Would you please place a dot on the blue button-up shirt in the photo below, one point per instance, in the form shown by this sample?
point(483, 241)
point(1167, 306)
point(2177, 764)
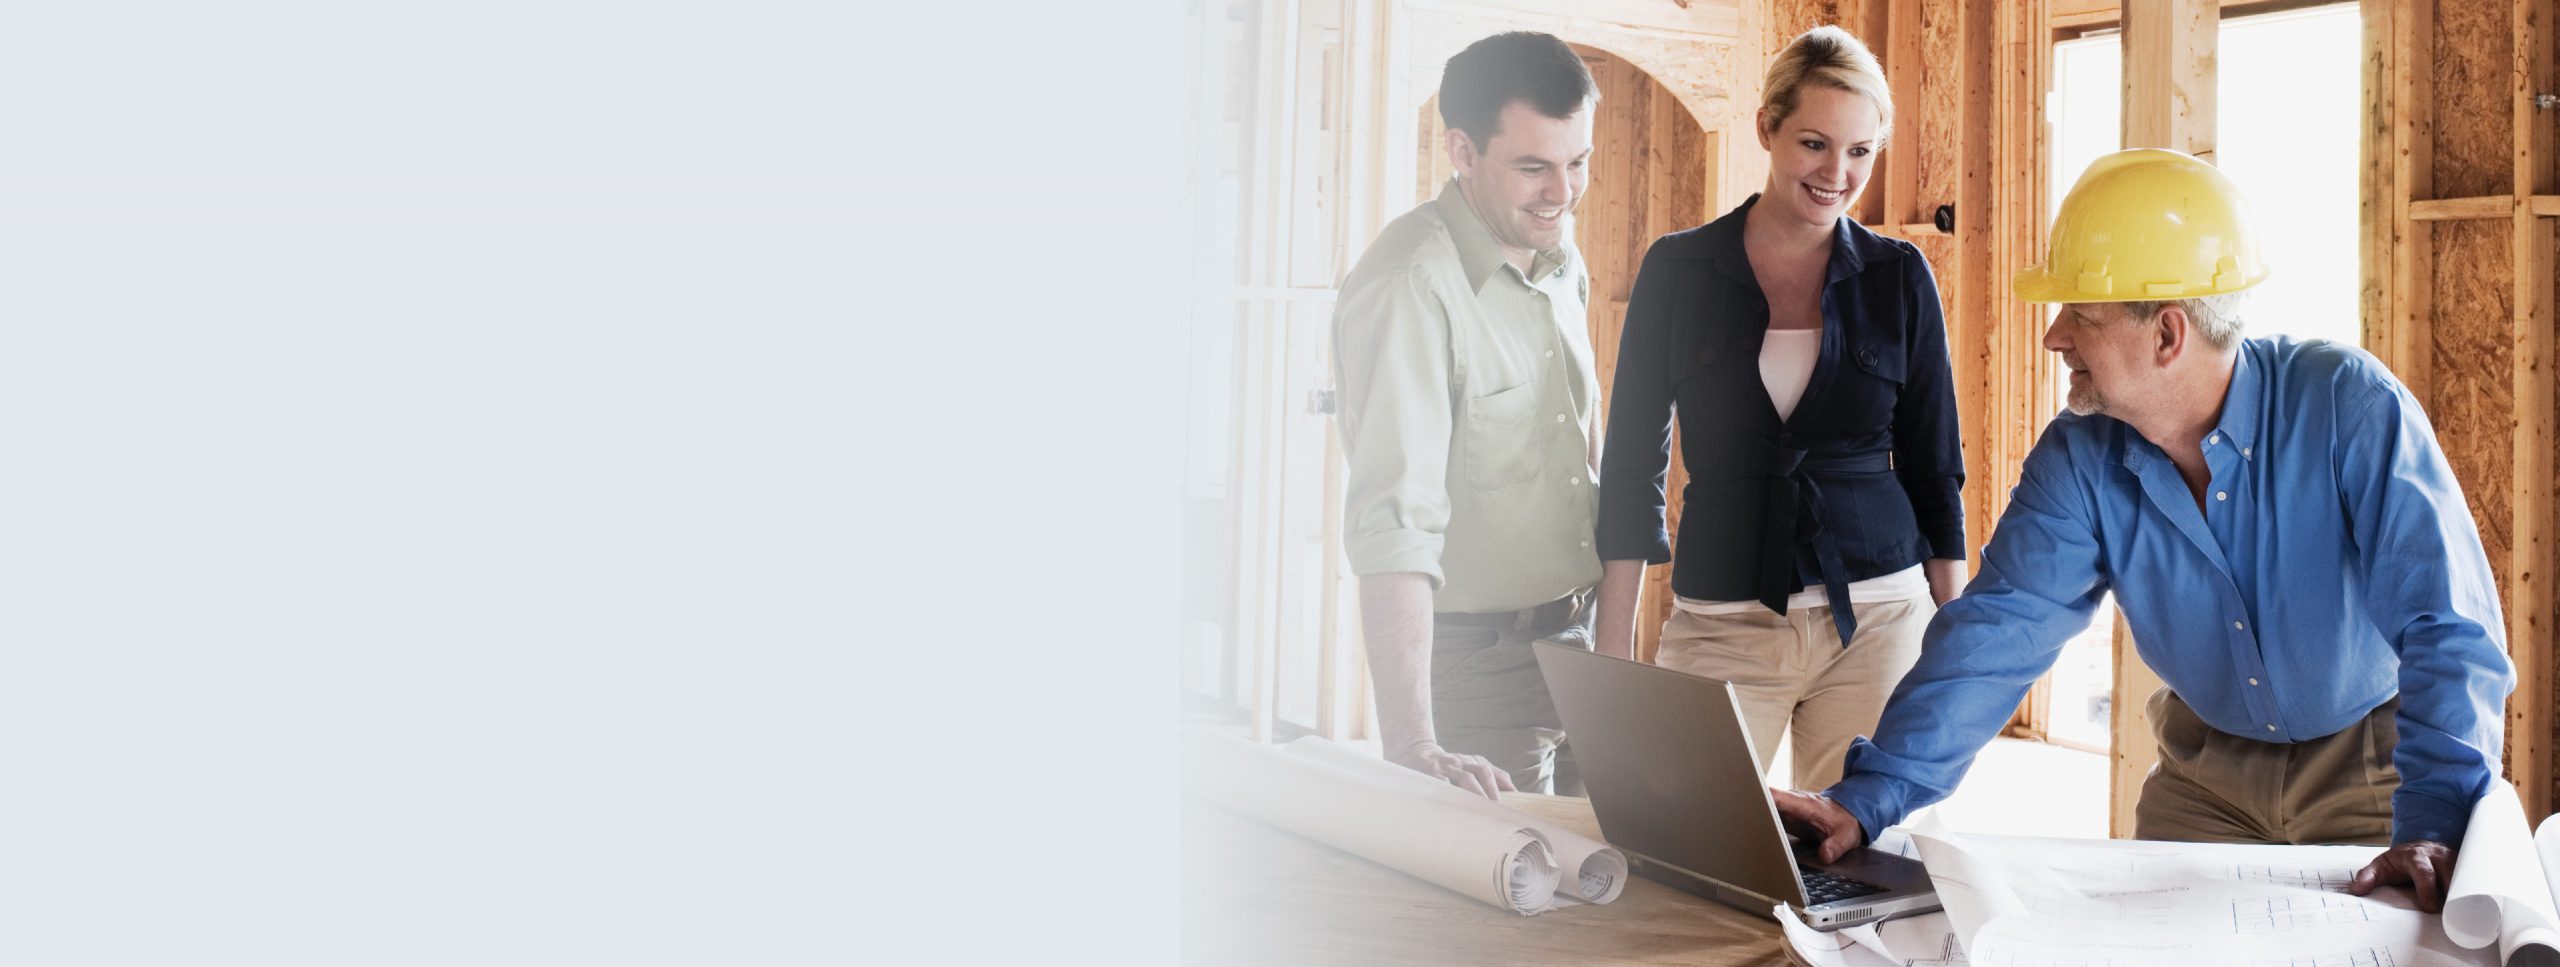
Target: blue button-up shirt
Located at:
point(2333, 563)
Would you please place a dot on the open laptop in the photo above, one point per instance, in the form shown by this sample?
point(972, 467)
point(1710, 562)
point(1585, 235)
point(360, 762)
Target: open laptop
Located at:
point(1667, 761)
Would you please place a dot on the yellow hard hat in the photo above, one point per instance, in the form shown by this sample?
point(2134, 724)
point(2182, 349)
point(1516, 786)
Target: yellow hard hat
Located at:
point(2143, 225)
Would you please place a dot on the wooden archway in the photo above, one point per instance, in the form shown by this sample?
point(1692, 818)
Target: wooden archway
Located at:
point(1695, 68)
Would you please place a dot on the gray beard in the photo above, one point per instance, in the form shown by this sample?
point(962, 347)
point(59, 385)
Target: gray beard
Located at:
point(2085, 401)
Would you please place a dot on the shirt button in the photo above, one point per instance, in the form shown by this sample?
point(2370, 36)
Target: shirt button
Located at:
point(2253, 681)
point(2216, 438)
point(2244, 451)
point(1551, 354)
point(2237, 626)
point(2271, 728)
point(1559, 417)
point(1586, 543)
point(2222, 495)
point(1577, 481)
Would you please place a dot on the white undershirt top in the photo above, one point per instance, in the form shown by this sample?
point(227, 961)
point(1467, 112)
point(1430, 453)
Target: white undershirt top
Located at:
point(1910, 582)
point(1786, 365)
point(1786, 368)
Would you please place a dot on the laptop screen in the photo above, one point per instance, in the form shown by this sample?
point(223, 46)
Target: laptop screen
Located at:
point(1666, 761)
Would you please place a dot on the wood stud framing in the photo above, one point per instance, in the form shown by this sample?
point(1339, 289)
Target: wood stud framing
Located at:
point(2459, 240)
point(2533, 607)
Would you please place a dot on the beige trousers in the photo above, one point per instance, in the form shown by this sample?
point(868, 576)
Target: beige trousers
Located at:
point(2215, 787)
point(1790, 674)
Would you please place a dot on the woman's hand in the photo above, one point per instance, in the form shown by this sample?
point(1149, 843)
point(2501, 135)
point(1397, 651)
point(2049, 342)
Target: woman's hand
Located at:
point(1613, 630)
point(1946, 579)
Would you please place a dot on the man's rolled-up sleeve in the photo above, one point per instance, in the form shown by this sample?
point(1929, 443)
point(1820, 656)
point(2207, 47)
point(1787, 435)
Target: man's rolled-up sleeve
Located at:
point(1392, 370)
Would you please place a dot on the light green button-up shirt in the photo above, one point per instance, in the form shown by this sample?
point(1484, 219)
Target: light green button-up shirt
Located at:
point(1468, 413)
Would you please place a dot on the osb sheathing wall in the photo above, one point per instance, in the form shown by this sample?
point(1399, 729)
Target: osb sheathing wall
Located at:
point(2459, 269)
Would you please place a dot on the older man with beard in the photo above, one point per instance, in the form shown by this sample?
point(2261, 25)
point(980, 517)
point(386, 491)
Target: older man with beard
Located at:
point(2279, 528)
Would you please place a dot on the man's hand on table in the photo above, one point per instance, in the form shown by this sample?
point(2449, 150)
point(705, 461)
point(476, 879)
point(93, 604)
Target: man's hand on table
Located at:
point(1469, 772)
point(2424, 866)
point(1816, 820)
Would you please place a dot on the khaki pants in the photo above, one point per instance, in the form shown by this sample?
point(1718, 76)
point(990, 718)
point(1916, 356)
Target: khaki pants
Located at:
point(1488, 698)
point(1790, 672)
point(2214, 787)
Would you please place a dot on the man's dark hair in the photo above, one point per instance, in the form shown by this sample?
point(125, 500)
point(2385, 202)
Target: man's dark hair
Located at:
point(1517, 66)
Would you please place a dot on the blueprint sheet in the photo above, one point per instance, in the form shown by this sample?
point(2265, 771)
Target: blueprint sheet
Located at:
point(2016, 902)
point(2033, 902)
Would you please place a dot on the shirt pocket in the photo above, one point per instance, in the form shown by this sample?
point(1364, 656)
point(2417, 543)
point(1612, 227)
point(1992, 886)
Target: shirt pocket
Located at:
point(1498, 438)
point(1872, 384)
point(1884, 362)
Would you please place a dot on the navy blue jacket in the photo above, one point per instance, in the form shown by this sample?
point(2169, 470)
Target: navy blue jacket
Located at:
point(1865, 479)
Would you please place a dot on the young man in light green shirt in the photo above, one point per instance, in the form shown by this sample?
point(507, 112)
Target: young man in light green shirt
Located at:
point(1470, 418)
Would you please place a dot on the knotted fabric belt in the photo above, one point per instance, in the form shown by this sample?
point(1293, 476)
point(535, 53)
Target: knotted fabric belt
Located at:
point(1793, 520)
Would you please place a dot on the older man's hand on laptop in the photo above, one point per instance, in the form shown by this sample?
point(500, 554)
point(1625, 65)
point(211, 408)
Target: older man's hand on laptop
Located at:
point(1813, 818)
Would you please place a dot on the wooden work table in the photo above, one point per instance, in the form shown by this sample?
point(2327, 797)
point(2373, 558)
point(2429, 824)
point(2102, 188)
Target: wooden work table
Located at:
point(1256, 894)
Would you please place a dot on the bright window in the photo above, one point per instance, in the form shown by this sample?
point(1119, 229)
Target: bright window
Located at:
point(2289, 111)
point(2087, 108)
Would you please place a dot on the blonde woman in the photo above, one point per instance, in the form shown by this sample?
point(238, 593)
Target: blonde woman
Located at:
point(1806, 360)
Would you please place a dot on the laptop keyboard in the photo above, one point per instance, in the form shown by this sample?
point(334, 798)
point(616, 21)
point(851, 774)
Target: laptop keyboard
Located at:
point(1821, 887)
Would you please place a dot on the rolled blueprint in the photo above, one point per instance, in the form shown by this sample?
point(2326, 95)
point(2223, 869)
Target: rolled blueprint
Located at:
point(1498, 861)
point(1593, 871)
point(2501, 889)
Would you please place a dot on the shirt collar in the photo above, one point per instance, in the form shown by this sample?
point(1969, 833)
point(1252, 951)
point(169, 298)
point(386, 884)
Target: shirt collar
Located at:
point(2239, 420)
point(1478, 254)
point(2240, 404)
point(1853, 246)
point(2137, 450)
